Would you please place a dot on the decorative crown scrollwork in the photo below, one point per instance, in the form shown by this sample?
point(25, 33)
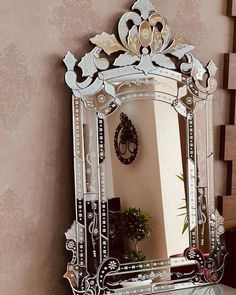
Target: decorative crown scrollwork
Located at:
point(144, 44)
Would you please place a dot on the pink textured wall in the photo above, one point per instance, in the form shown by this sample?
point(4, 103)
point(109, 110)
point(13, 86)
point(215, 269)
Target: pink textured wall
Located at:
point(36, 191)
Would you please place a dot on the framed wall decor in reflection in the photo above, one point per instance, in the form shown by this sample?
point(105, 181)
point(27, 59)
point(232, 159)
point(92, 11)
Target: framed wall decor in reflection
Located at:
point(126, 140)
point(155, 80)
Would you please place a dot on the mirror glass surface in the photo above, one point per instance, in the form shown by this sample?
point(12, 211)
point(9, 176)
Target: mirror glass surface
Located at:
point(154, 182)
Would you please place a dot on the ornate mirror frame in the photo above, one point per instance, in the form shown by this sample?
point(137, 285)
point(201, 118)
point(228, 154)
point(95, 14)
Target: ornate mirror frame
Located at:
point(144, 53)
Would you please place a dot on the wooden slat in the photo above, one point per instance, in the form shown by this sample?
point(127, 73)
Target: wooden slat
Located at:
point(232, 111)
point(233, 177)
point(231, 8)
point(228, 140)
point(228, 153)
point(229, 277)
point(227, 207)
point(230, 224)
point(231, 183)
point(230, 71)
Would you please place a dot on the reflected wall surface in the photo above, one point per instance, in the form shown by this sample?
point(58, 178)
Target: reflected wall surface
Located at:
point(151, 182)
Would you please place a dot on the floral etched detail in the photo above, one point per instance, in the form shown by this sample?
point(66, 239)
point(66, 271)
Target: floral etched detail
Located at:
point(138, 82)
point(219, 226)
point(212, 266)
point(202, 219)
point(163, 275)
point(71, 245)
point(112, 265)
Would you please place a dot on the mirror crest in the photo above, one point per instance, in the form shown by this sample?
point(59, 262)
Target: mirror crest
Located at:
point(147, 47)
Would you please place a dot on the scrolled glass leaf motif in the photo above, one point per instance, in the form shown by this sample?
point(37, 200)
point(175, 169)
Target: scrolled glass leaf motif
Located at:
point(126, 141)
point(144, 46)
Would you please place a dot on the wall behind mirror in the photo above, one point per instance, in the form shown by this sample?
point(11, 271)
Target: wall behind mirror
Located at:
point(36, 192)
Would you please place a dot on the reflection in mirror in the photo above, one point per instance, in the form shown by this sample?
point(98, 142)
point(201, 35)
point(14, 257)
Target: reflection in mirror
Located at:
point(126, 140)
point(160, 188)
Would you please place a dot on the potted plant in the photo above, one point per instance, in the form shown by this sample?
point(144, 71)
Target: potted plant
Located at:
point(135, 227)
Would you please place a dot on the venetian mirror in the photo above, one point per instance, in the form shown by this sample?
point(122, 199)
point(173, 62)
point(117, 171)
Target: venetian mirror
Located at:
point(149, 226)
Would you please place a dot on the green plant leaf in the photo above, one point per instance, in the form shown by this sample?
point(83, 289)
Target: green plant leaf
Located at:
point(134, 256)
point(181, 176)
point(182, 214)
point(184, 207)
point(135, 224)
point(185, 227)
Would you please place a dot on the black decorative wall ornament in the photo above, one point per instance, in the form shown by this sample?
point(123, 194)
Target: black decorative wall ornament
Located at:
point(126, 140)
